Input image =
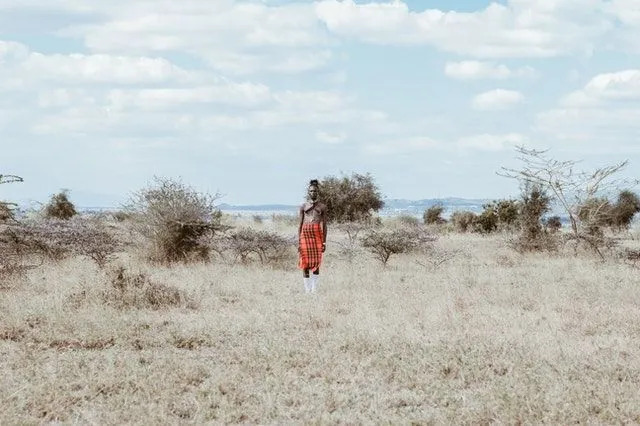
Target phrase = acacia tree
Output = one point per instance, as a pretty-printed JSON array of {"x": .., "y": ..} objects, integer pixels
[
  {"x": 6, "y": 208},
  {"x": 350, "y": 198},
  {"x": 570, "y": 188}
]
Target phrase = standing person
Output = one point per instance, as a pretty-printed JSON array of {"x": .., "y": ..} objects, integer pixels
[{"x": 312, "y": 234}]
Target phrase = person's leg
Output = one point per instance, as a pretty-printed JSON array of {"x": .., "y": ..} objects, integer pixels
[
  {"x": 307, "y": 280},
  {"x": 314, "y": 280}
]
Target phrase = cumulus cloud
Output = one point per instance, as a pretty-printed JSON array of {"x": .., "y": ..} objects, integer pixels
[
  {"x": 496, "y": 100},
  {"x": 606, "y": 108},
  {"x": 331, "y": 138},
  {"x": 104, "y": 94},
  {"x": 519, "y": 28},
  {"x": 403, "y": 146},
  {"x": 608, "y": 87},
  {"x": 477, "y": 70},
  {"x": 489, "y": 142},
  {"x": 231, "y": 36}
]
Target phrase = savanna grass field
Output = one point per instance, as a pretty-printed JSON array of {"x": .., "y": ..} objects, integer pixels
[{"x": 466, "y": 330}]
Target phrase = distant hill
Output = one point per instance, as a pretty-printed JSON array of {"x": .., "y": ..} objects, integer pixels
[{"x": 392, "y": 206}]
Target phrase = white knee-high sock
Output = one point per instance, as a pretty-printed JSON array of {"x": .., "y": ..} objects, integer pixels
[
  {"x": 314, "y": 282},
  {"x": 307, "y": 284}
]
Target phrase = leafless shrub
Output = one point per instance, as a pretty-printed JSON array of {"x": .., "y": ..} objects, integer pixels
[
  {"x": 434, "y": 258},
  {"x": 175, "y": 220},
  {"x": 385, "y": 243},
  {"x": 267, "y": 247},
  {"x": 631, "y": 256},
  {"x": 121, "y": 216},
  {"x": 405, "y": 220},
  {"x": 284, "y": 219},
  {"x": 57, "y": 239},
  {"x": 349, "y": 248},
  {"x": 135, "y": 290},
  {"x": 257, "y": 219}
]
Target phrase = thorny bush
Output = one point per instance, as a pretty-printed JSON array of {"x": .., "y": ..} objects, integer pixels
[
  {"x": 57, "y": 239},
  {"x": 385, "y": 243},
  {"x": 246, "y": 243},
  {"x": 175, "y": 220}
]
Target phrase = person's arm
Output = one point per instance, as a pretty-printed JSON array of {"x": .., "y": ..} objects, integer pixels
[
  {"x": 324, "y": 228},
  {"x": 301, "y": 214}
]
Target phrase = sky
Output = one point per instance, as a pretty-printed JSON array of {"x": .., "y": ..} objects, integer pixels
[{"x": 251, "y": 99}]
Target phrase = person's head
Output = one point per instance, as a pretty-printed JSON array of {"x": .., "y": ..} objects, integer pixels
[{"x": 313, "y": 190}]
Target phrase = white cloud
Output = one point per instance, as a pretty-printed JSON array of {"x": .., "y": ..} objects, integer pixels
[
  {"x": 230, "y": 36},
  {"x": 495, "y": 100},
  {"x": 104, "y": 69},
  {"x": 476, "y": 70},
  {"x": 331, "y": 138},
  {"x": 608, "y": 88},
  {"x": 488, "y": 142},
  {"x": 607, "y": 108},
  {"x": 124, "y": 95},
  {"x": 403, "y": 146},
  {"x": 521, "y": 28}
]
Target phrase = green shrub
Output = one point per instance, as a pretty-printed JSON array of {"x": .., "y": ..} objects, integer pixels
[
  {"x": 463, "y": 221},
  {"x": 626, "y": 207},
  {"x": 433, "y": 215},
  {"x": 553, "y": 224},
  {"x": 350, "y": 198},
  {"x": 59, "y": 207},
  {"x": 407, "y": 220},
  {"x": 533, "y": 236},
  {"x": 487, "y": 221}
]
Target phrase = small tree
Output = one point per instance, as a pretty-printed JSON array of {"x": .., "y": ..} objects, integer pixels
[
  {"x": 506, "y": 212},
  {"x": 553, "y": 224},
  {"x": 175, "y": 219},
  {"x": 569, "y": 187},
  {"x": 60, "y": 207},
  {"x": 6, "y": 208},
  {"x": 533, "y": 205},
  {"x": 350, "y": 198},
  {"x": 433, "y": 215},
  {"x": 384, "y": 244},
  {"x": 626, "y": 207},
  {"x": 267, "y": 247}
]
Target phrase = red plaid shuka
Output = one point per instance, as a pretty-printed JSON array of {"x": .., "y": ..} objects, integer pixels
[{"x": 310, "y": 246}]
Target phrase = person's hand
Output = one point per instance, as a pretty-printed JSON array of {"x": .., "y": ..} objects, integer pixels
[{"x": 324, "y": 247}]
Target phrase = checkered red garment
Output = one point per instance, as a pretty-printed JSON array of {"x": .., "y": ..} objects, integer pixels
[{"x": 310, "y": 246}]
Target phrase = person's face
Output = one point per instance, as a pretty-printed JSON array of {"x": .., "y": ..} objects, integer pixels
[{"x": 313, "y": 193}]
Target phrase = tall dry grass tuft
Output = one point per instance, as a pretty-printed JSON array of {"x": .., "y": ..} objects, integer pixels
[{"x": 135, "y": 290}]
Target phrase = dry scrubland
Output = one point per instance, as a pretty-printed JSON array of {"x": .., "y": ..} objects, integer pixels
[{"x": 487, "y": 336}]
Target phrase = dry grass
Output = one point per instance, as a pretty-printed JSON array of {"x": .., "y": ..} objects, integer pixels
[{"x": 487, "y": 336}]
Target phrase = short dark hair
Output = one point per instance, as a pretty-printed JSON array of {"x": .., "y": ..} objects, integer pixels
[{"x": 314, "y": 182}]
